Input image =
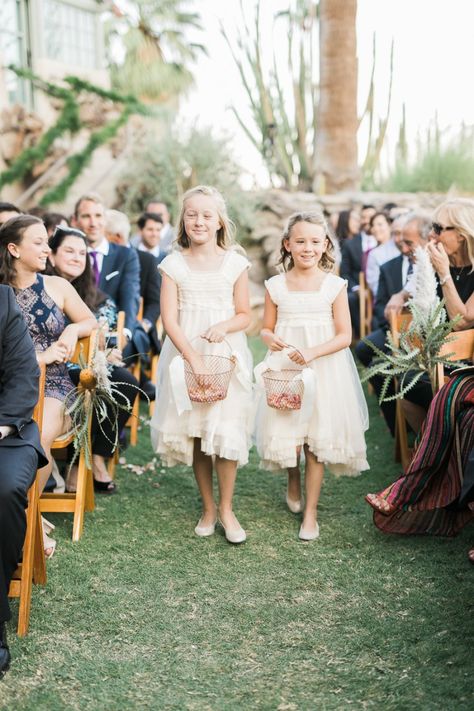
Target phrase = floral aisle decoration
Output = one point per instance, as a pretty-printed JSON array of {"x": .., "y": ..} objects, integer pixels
[
  {"x": 421, "y": 339},
  {"x": 95, "y": 394}
]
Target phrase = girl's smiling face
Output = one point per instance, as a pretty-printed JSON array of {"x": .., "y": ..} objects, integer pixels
[
  {"x": 306, "y": 244},
  {"x": 201, "y": 219}
]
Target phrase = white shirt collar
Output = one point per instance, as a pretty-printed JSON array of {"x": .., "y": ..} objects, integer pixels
[{"x": 102, "y": 248}]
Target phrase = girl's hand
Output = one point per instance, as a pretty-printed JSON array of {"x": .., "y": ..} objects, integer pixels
[
  {"x": 301, "y": 357},
  {"x": 439, "y": 258},
  {"x": 197, "y": 364},
  {"x": 273, "y": 343},
  {"x": 215, "y": 334},
  {"x": 68, "y": 339},
  {"x": 56, "y": 353}
]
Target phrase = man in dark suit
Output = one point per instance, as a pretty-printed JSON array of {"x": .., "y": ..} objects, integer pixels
[
  {"x": 116, "y": 268},
  {"x": 353, "y": 260},
  {"x": 20, "y": 450},
  {"x": 393, "y": 276},
  {"x": 144, "y": 336}
]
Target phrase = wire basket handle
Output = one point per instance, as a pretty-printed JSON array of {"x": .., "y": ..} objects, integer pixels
[{"x": 224, "y": 340}]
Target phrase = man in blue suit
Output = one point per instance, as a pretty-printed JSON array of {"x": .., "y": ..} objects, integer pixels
[
  {"x": 20, "y": 450},
  {"x": 116, "y": 269}
]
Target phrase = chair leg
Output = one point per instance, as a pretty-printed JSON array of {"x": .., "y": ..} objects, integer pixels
[
  {"x": 39, "y": 560},
  {"x": 82, "y": 496}
]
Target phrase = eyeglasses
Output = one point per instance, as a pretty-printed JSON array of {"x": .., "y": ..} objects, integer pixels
[{"x": 439, "y": 229}]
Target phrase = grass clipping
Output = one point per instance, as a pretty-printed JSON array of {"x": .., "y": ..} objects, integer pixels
[
  {"x": 95, "y": 394},
  {"x": 420, "y": 340}
]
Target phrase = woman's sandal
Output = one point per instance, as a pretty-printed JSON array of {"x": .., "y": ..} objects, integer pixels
[
  {"x": 378, "y": 504},
  {"x": 49, "y": 544},
  {"x": 470, "y": 555},
  {"x": 105, "y": 487}
]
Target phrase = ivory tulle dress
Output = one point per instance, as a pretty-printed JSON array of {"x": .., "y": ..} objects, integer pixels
[
  {"x": 334, "y": 428},
  {"x": 204, "y": 299}
]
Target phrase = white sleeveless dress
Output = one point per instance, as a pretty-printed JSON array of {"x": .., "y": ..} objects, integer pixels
[
  {"x": 224, "y": 427},
  {"x": 334, "y": 431}
]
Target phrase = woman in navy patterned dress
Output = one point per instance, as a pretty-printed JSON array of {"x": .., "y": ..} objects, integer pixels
[{"x": 45, "y": 302}]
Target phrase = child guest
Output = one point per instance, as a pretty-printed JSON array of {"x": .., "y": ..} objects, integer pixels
[
  {"x": 307, "y": 321},
  {"x": 205, "y": 310}
]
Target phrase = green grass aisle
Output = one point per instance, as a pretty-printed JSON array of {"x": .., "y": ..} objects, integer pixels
[{"x": 141, "y": 614}]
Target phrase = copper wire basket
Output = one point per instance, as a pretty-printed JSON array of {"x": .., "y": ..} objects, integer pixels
[
  {"x": 282, "y": 388},
  {"x": 212, "y": 385}
]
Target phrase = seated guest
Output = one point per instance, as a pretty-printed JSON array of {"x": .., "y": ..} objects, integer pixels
[
  {"x": 451, "y": 250},
  {"x": 435, "y": 494},
  {"x": 46, "y": 302},
  {"x": 144, "y": 336},
  {"x": 393, "y": 276},
  {"x": 354, "y": 253},
  {"x": 384, "y": 233},
  {"x": 68, "y": 259},
  {"x": 8, "y": 210},
  {"x": 348, "y": 225},
  {"x": 150, "y": 225},
  {"x": 115, "y": 268},
  {"x": 167, "y": 236},
  {"x": 52, "y": 220},
  {"x": 20, "y": 450}
]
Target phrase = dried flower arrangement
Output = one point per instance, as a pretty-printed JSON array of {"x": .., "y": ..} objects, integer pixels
[{"x": 420, "y": 341}]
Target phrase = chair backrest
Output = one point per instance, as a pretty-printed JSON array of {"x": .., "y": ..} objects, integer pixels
[
  {"x": 461, "y": 347},
  {"x": 119, "y": 330},
  {"x": 365, "y": 306},
  {"x": 399, "y": 322},
  {"x": 86, "y": 346},
  {"x": 38, "y": 411},
  {"x": 140, "y": 309}
]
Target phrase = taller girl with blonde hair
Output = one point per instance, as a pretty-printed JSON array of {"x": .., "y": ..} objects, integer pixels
[
  {"x": 306, "y": 322},
  {"x": 205, "y": 310}
]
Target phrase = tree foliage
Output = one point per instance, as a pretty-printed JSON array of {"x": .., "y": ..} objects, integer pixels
[{"x": 153, "y": 37}]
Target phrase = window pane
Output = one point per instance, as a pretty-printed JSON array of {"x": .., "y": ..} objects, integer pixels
[{"x": 70, "y": 34}]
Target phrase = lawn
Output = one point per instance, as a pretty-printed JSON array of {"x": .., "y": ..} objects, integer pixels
[{"x": 142, "y": 614}]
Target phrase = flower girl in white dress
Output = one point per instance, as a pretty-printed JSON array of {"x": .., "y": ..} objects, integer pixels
[
  {"x": 205, "y": 310},
  {"x": 307, "y": 322}
]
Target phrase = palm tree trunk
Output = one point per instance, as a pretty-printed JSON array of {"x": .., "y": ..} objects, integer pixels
[{"x": 336, "y": 158}]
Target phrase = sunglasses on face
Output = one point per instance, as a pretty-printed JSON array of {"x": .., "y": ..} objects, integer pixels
[{"x": 439, "y": 229}]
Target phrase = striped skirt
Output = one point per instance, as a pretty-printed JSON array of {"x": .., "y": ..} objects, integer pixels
[{"x": 433, "y": 496}]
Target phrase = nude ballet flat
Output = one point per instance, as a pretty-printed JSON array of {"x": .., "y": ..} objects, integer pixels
[
  {"x": 306, "y": 536},
  {"x": 238, "y": 535},
  {"x": 204, "y": 531},
  {"x": 294, "y": 506}
]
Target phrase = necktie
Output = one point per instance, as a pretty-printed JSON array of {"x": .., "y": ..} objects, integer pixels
[
  {"x": 365, "y": 257},
  {"x": 410, "y": 268},
  {"x": 95, "y": 267}
]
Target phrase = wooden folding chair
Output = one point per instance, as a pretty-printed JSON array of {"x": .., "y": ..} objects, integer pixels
[
  {"x": 462, "y": 348},
  {"x": 403, "y": 453},
  {"x": 365, "y": 306},
  {"x": 33, "y": 565},
  {"x": 82, "y": 499},
  {"x": 154, "y": 362}
]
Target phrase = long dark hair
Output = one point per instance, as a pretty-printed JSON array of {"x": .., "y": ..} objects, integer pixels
[
  {"x": 11, "y": 232},
  {"x": 342, "y": 229},
  {"x": 84, "y": 283}
]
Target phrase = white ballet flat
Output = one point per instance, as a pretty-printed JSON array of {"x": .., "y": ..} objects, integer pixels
[
  {"x": 205, "y": 531},
  {"x": 238, "y": 535},
  {"x": 307, "y": 536},
  {"x": 294, "y": 506}
]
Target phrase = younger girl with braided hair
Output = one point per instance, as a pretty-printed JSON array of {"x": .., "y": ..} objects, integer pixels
[{"x": 306, "y": 322}]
